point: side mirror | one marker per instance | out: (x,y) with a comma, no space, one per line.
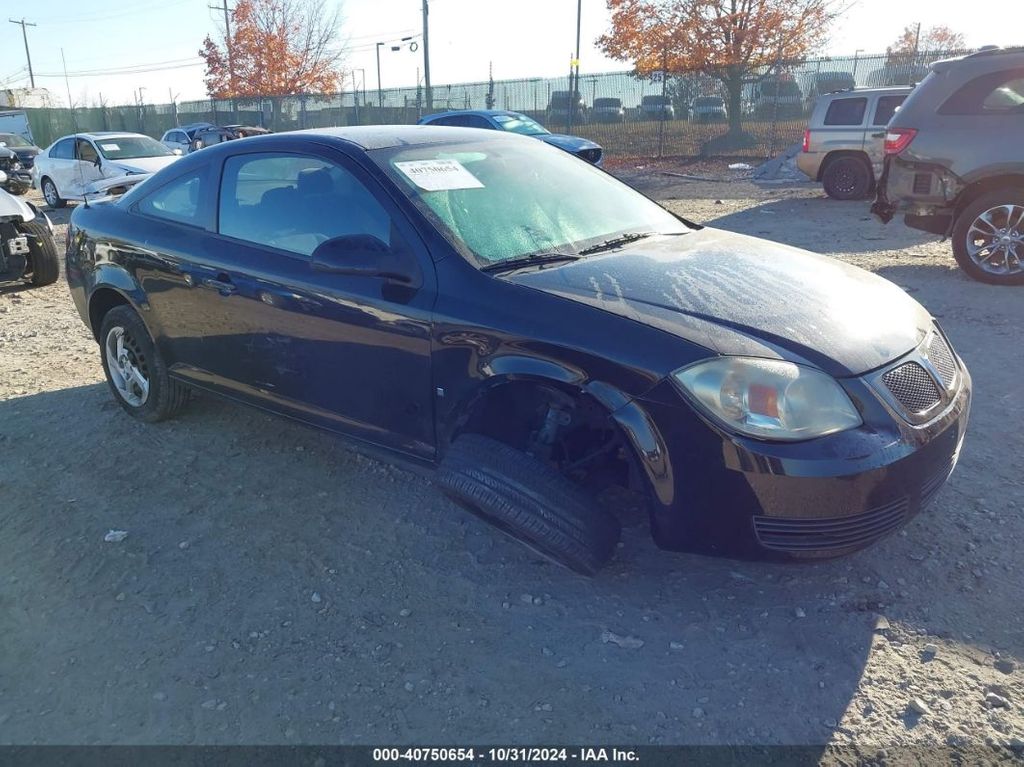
(361,255)
(98,162)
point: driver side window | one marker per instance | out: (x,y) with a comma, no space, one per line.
(85,151)
(294,202)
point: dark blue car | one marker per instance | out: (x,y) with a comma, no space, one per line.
(514,122)
(541,334)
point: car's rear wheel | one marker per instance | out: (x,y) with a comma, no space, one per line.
(135,371)
(988,237)
(44,261)
(50,194)
(529,500)
(847,178)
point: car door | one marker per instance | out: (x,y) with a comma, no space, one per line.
(59,164)
(350,353)
(87,168)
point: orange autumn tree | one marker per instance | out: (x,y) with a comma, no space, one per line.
(732,41)
(277,48)
(937,38)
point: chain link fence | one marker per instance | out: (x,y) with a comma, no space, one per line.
(678,114)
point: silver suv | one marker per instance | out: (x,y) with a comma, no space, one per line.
(845,138)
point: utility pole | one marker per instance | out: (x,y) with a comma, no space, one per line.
(426,56)
(24,36)
(917,38)
(227,41)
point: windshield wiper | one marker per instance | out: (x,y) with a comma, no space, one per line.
(615,242)
(533,259)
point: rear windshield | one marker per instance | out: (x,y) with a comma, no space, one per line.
(131,147)
(607,102)
(708,101)
(656,100)
(12,139)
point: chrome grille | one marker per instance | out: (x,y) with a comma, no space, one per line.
(912,387)
(941,357)
(830,533)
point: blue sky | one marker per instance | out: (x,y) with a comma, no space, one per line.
(524,38)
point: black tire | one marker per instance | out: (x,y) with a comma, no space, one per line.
(50,194)
(165,396)
(847,178)
(962,229)
(44,261)
(529,500)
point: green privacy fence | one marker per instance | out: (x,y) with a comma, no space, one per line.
(636,117)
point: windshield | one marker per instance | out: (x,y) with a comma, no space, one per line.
(655,100)
(12,139)
(600,103)
(780,88)
(708,102)
(131,147)
(520,124)
(497,200)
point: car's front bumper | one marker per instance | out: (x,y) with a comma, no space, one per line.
(717,493)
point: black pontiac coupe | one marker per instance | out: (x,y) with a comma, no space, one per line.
(495,308)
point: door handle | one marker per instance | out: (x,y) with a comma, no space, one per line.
(222,284)
(878,135)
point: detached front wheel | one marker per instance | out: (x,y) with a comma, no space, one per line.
(135,371)
(988,238)
(529,500)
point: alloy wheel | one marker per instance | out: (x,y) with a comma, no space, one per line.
(995,240)
(50,193)
(127,367)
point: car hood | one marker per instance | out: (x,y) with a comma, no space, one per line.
(143,164)
(568,143)
(25,153)
(12,207)
(741,295)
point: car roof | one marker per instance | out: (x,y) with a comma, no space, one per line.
(101,134)
(481,112)
(370,137)
(890,90)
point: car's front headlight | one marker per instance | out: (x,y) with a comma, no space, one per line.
(768,399)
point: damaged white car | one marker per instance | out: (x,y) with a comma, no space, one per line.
(27,248)
(71,164)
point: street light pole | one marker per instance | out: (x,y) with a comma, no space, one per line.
(426,56)
(380,94)
(574,73)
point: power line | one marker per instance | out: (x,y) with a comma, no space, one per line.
(130,71)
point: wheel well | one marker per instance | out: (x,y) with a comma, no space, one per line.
(971,192)
(102,301)
(586,443)
(839,154)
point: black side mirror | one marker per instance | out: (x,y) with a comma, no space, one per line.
(360,255)
(97,162)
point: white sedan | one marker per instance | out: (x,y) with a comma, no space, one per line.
(70,165)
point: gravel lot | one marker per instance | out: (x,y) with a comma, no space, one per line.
(274,587)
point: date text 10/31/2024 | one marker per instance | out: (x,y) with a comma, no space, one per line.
(504,754)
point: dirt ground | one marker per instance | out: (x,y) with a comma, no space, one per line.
(274,587)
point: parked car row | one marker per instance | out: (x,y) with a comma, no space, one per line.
(653,107)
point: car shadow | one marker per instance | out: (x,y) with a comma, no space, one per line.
(851,227)
(250,538)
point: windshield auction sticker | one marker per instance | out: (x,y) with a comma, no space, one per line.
(439,175)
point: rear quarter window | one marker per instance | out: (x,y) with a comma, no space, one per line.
(995,93)
(846,112)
